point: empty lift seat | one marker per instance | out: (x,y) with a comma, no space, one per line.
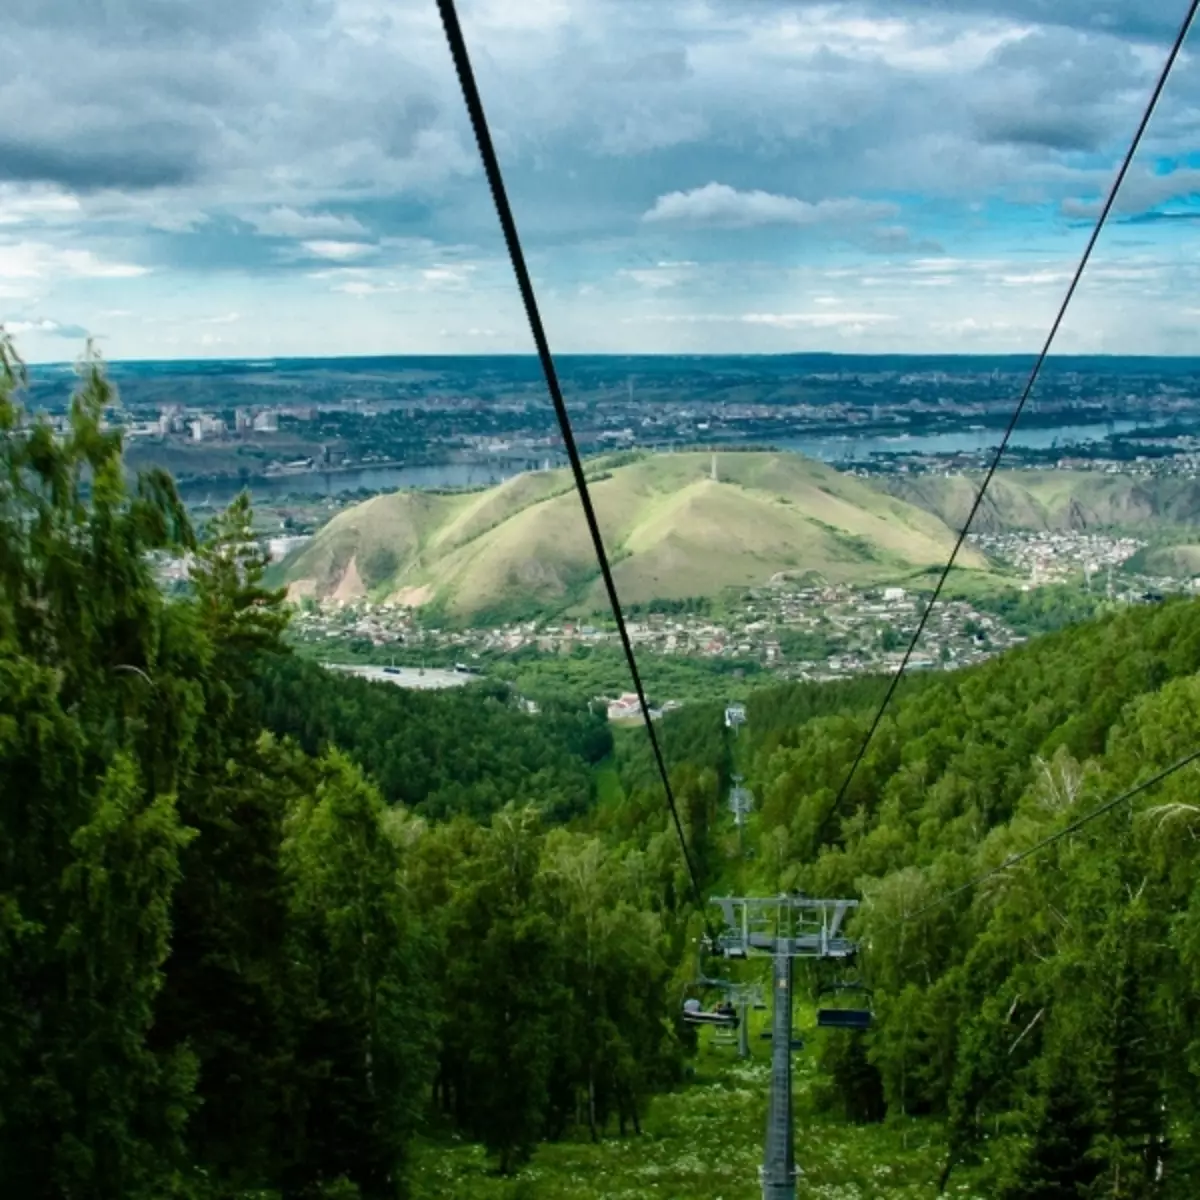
(843,1018)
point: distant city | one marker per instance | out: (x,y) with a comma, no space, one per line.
(329,426)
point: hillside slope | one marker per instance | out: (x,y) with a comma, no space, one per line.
(672,530)
(1052,500)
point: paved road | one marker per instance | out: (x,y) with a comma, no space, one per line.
(407,677)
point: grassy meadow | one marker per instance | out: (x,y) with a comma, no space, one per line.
(703,1141)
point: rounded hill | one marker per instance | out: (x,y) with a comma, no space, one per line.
(674,525)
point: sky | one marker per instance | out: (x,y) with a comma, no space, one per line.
(269,178)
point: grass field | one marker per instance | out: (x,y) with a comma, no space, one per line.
(672,527)
(704,1142)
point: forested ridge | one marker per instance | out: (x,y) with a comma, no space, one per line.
(227,966)
(263,928)
(441,753)
(1048,1016)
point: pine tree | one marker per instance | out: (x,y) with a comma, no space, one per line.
(503,1000)
(365,1010)
(1059,1163)
(96,716)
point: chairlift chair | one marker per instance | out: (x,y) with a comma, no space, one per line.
(723,1016)
(835,1016)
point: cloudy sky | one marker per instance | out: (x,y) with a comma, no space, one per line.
(253,178)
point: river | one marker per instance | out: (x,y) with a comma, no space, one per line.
(468,475)
(963,441)
(371,479)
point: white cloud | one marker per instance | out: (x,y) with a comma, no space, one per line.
(661,275)
(290,223)
(20,205)
(224,319)
(472,332)
(810,320)
(816,320)
(971,327)
(41,260)
(338,273)
(87,265)
(1034,278)
(718,204)
(46,326)
(363,287)
(337,251)
(445,275)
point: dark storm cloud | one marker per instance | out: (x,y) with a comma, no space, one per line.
(1051,129)
(1059,90)
(238,106)
(147,21)
(82,168)
(170,93)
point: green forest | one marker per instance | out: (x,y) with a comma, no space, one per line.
(270,932)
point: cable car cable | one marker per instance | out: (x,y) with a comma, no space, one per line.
(1126,162)
(1074,827)
(491,167)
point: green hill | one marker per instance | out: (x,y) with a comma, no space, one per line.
(1057,500)
(1167,560)
(671,529)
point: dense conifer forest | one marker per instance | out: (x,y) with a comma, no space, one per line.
(263,929)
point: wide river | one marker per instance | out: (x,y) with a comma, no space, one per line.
(458,475)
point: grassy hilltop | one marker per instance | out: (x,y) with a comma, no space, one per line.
(672,530)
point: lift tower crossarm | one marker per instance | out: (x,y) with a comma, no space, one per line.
(798,926)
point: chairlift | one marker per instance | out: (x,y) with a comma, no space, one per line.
(722,1015)
(836,1016)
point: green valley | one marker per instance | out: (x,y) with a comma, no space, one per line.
(270,932)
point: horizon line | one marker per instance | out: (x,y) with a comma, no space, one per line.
(265,361)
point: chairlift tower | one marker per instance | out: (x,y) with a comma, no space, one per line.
(741,802)
(785,927)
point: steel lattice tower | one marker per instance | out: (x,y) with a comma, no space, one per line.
(784,927)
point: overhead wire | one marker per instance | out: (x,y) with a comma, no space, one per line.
(1013,859)
(495,178)
(1101,220)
